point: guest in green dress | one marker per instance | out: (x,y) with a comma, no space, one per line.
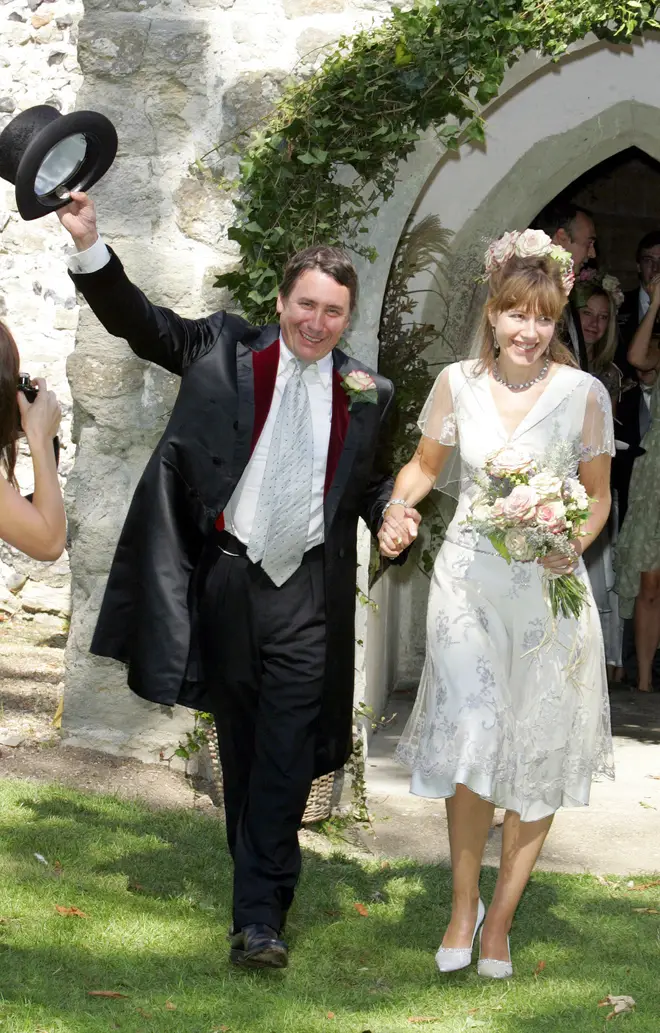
(638,547)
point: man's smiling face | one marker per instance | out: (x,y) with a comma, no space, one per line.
(314,315)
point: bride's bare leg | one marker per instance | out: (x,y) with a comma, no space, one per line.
(521,846)
(647,626)
(469,818)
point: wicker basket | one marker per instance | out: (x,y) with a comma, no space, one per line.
(319,801)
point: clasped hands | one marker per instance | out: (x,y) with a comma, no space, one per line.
(398,530)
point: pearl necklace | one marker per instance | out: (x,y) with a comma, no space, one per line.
(526,384)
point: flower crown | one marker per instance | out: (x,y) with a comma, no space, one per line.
(595,278)
(530,244)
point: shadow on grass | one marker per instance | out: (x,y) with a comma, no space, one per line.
(157,888)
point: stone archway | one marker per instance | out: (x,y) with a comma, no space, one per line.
(545,130)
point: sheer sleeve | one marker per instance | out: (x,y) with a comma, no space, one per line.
(598,426)
(437,419)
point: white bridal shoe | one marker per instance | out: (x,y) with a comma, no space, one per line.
(451,959)
(492,968)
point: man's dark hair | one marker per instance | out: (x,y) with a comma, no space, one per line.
(648,241)
(559,215)
(330,260)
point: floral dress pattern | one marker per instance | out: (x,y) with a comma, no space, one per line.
(510,704)
(638,546)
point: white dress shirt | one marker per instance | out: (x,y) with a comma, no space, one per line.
(242,506)
(317,377)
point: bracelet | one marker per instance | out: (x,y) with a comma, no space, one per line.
(394,502)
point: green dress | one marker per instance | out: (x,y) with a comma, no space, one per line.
(638,546)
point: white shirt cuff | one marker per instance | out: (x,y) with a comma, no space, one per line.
(91,260)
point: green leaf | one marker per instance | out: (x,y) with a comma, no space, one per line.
(401,56)
(500,547)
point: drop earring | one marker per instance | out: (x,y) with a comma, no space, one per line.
(496,347)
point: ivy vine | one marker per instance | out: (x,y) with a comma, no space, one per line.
(323,161)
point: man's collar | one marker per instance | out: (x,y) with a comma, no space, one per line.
(323,367)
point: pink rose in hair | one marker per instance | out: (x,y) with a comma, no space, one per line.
(500,251)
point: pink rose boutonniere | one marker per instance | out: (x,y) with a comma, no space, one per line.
(360,387)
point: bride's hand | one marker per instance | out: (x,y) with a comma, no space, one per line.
(398,530)
(560,563)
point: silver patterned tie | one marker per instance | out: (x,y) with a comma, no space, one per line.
(281,524)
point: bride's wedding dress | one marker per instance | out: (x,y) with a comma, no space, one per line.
(509,705)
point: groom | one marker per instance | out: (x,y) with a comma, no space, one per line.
(233,584)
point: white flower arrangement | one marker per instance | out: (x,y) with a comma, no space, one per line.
(528,509)
(529,244)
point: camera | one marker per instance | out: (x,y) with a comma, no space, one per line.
(31,391)
(27,387)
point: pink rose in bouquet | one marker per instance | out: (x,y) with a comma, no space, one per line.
(520,505)
(510,462)
(552,515)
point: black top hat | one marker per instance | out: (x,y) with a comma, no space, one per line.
(46,154)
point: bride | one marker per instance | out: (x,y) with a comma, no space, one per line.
(512,709)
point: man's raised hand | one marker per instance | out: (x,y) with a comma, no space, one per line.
(79,218)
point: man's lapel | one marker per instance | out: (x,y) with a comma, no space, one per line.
(347,430)
(256,372)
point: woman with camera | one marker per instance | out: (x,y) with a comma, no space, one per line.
(37,528)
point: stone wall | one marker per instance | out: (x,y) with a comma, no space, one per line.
(38,65)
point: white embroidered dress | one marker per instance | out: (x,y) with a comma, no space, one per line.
(518,715)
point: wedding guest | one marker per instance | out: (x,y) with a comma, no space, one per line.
(37,528)
(636,302)
(504,716)
(638,549)
(572,228)
(597,297)
(633,419)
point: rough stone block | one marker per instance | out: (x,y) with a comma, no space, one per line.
(8,604)
(176,50)
(250,98)
(313,44)
(112,46)
(39,598)
(125,107)
(203,212)
(129,198)
(303,8)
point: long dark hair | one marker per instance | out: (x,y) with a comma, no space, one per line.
(9,421)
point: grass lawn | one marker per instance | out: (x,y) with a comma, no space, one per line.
(155,889)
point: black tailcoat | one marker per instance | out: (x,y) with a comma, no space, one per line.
(148,616)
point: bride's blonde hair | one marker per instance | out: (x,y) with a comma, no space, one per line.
(531,285)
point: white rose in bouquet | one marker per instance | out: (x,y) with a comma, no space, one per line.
(518,546)
(575,493)
(546,485)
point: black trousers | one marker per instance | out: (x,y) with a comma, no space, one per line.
(263,651)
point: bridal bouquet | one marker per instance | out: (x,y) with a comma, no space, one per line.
(528,509)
